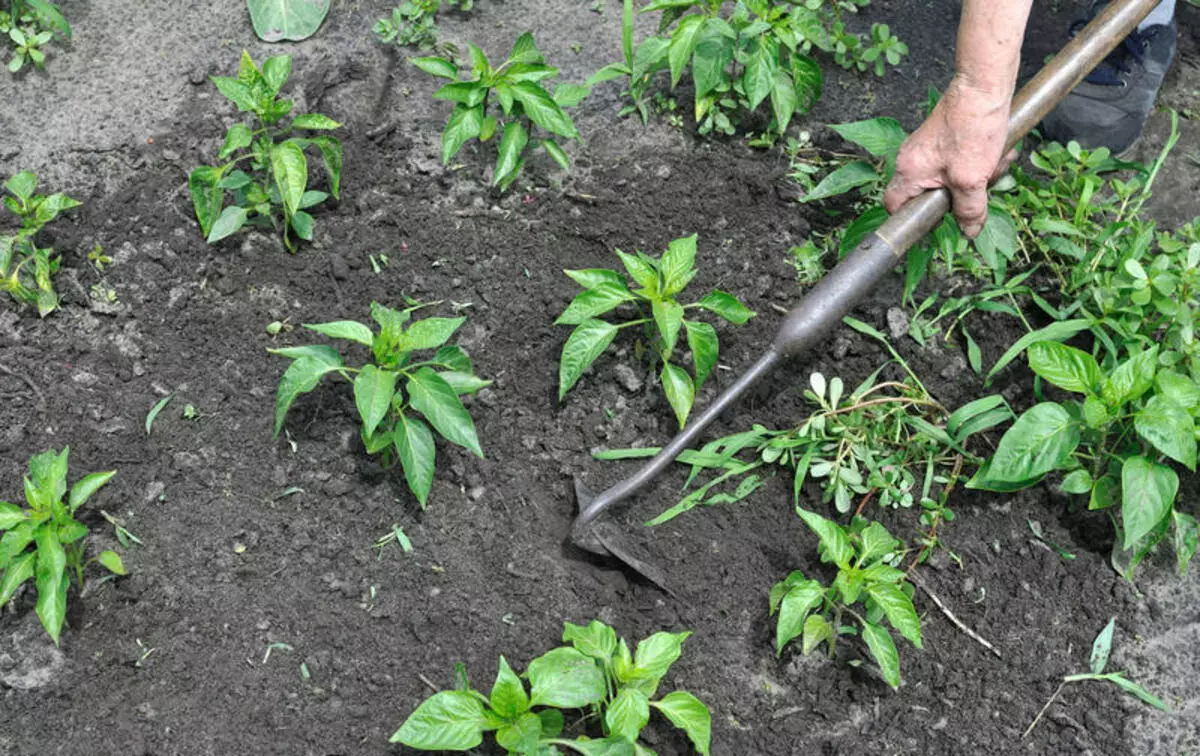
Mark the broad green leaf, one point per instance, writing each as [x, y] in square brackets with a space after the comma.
[331, 154]
[566, 679]
[22, 184]
[508, 697]
[569, 95]
[429, 333]
[589, 339]
[702, 340]
[430, 395]
[275, 72]
[436, 67]
[598, 300]
[602, 747]
[1147, 494]
[452, 720]
[1134, 377]
[469, 94]
[1039, 441]
[350, 330]
[590, 278]
[294, 20]
[237, 92]
[463, 383]
[898, 608]
[315, 122]
[809, 82]
[14, 541]
[373, 391]
[1105, 493]
[50, 575]
[1169, 428]
[881, 137]
[628, 713]
[464, 124]
[552, 722]
[1068, 368]
[1186, 539]
[415, 448]
[50, 15]
[759, 75]
[834, 542]
[794, 608]
[10, 516]
[1179, 388]
[726, 306]
[1058, 331]
[1077, 482]
[860, 228]
[668, 317]
[522, 735]
[19, 570]
[1101, 648]
[541, 108]
[656, 653]
[597, 640]
[206, 196]
[842, 180]
[784, 101]
[683, 44]
[880, 644]
[677, 385]
[997, 240]
[302, 376]
[640, 270]
[237, 137]
[876, 542]
[454, 357]
[525, 50]
[556, 152]
[512, 145]
[290, 171]
[321, 352]
[81, 491]
[111, 561]
[229, 222]
[710, 61]
[689, 714]
[816, 630]
[678, 264]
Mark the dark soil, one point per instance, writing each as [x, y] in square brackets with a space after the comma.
[173, 659]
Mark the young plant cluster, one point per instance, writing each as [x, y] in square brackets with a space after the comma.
[397, 395]
[524, 103]
[865, 556]
[25, 268]
[30, 25]
[596, 673]
[273, 189]
[414, 23]
[658, 282]
[45, 542]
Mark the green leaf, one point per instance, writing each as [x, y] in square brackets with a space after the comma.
[589, 339]
[10, 516]
[237, 92]
[508, 697]
[834, 541]
[590, 278]
[1057, 331]
[809, 82]
[50, 576]
[1105, 493]
[702, 340]
[464, 383]
[1186, 538]
[862, 227]
[22, 184]
[880, 644]
[656, 653]
[876, 542]
[1177, 387]
[1147, 494]
[275, 71]
[111, 561]
[628, 713]
[315, 122]
[602, 747]
[83, 489]
[1068, 368]
[373, 391]
[49, 15]
[1077, 482]
[415, 448]
[237, 137]
[598, 300]
[522, 735]
[1169, 428]
[206, 196]
[331, 154]
[759, 76]
[726, 306]
[230, 221]
[454, 357]
[436, 67]
[556, 152]
[294, 20]
[569, 95]
[512, 144]
[1101, 648]
[842, 180]
[429, 333]
[794, 607]
[290, 171]
[668, 317]
[998, 238]
[784, 100]
[552, 722]
[711, 58]
[430, 395]
[683, 44]
[898, 608]
[640, 270]
[566, 679]
[349, 330]
[541, 108]
[302, 376]
[881, 137]
[1039, 441]
[816, 630]
[1137, 690]
[464, 124]
[679, 390]
[19, 570]
[452, 720]
[1135, 376]
[678, 265]
[597, 640]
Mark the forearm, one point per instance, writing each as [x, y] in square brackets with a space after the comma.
[988, 54]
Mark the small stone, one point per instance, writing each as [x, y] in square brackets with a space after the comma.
[339, 268]
[85, 379]
[897, 322]
[476, 493]
[663, 172]
[628, 379]
[171, 155]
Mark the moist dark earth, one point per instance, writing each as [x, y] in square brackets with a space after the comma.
[173, 659]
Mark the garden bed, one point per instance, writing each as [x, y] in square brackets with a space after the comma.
[173, 659]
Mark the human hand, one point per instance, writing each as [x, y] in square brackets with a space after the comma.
[960, 147]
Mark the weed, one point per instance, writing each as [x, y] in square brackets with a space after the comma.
[596, 672]
[30, 25]
[659, 313]
[413, 23]
[865, 556]
[393, 392]
[274, 191]
[524, 103]
[26, 268]
[808, 260]
[45, 542]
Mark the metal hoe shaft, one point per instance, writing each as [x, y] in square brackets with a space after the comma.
[849, 282]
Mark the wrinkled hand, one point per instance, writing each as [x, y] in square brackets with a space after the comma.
[961, 147]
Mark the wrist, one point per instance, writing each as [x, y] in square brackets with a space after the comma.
[985, 94]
